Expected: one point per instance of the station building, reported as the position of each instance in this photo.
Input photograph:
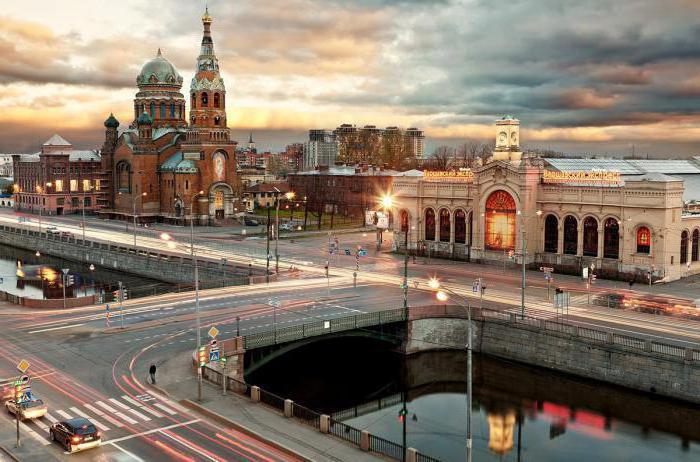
(628, 219)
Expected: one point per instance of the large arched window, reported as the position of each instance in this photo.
(205, 99)
(570, 235)
(444, 225)
(684, 247)
(217, 102)
(153, 110)
(430, 225)
(123, 171)
(404, 221)
(590, 237)
(500, 221)
(162, 110)
(694, 247)
(172, 110)
(470, 224)
(611, 238)
(643, 240)
(551, 234)
(460, 227)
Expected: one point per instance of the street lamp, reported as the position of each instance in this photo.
(386, 202)
(289, 195)
(83, 211)
(524, 220)
(441, 293)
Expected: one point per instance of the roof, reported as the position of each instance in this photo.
(178, 164)
(411, 173)
(348, 171)
(659, 177)
(267, 187)
(628, 167)
(57, 140)
(74, 155)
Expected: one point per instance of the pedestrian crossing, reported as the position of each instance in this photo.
(110, 414)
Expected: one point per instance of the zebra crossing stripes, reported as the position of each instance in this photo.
(64, 414)
(128, 409)
(109, 419)
(97, 423)
(164, 408)
(121, 415)
(34, 434)
(154, 413)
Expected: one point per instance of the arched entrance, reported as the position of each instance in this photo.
(500, 221)
(220, 201)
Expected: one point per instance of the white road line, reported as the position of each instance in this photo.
(109, 419)
(97, 423)
(41, 424)
(130, 454)
(51, 418)
(163, 408)
(64, 414)
(126, 417)
(148, 432)
(33, 434)
(189, 446)
(55, 328)
(119, 403)
(140, 416)
(141, 406)
(106, 406)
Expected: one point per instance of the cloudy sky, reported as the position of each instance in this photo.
(585, 76)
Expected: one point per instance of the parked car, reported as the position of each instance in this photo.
(52, 230)
(250, 222)
(32, 409)
(67, 234)
(75, 434)
(286, 227)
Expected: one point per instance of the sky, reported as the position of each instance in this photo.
(591, 76)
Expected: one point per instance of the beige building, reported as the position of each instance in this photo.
(627, 218)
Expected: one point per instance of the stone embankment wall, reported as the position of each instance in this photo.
(152, 263)
(634, 362)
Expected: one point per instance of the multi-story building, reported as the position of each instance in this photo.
(165, 167)
(293, 156)
(415, 142)
(58, 179)
(320, 150)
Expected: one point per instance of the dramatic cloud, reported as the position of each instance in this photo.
(593, 75)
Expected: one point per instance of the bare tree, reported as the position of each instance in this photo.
(441, 158)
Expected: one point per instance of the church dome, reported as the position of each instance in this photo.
(144, 119)
(111, 122)
(159, 71)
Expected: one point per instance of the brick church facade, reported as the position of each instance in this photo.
(164, 167)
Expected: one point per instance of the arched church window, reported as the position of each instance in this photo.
(590, 237)
(611, 238)
(694, 248)
(570, 235)
(551, 234)
(172, 110)
(162, 110)
(460, 227)
(216, 100)
(193, 103)
(153, 110)
(684, 247)
(643, 240)
(205, 99)
(444, 225)
(217, 120)
(429, 225)
(123, 171)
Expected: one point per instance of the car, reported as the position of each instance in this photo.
(52, 230)
(286, 227)
(75, 434)
(66, 234)
(250, 222)
(32, 409)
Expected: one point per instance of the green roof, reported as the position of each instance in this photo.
(178, 164)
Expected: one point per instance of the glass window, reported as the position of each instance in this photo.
(694, 249)
(153, 110)
(172, 110)
(684, 247)
(216, 100)
(551, 234)
(430, 225)
(97, 185)
(611, 238)
(444, 225)
(460, 227)
(590, 237)
(59, 185)
(570, 235)
(162, 110)
(500, 221)
(205, 100)
(73, 185)
(86, 185)
(643, 240)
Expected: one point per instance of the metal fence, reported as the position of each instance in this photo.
(423, 458)
(385, 447)
(306, 415)
(345, 432)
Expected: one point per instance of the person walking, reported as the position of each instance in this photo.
(152, 372)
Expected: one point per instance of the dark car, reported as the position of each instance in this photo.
(250, 222)
(75, 434)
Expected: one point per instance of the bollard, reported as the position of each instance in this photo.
(255, 394)
(325, 423)
(288, 407)
(364, 440)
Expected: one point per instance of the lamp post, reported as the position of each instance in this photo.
(442, 295)
(143, 194)
(289, 195)
(83, 211)
(524, 254)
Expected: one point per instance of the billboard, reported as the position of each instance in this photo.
(377, 218)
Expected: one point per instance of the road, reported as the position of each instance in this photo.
(82, 366)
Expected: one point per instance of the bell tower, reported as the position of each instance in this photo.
(507, 139)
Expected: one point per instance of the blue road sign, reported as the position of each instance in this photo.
(347, 252)
(362, 253)
(213, 355)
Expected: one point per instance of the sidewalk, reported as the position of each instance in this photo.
(176, 378)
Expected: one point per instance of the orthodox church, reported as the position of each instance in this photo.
(164, 167)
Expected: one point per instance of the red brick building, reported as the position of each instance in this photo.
(58, 179)
(157, 167)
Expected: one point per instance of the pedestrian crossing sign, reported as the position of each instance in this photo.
(213, 355)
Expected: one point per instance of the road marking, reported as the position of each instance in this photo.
(130, 454)
(141, 406)
(154, 430)
(97, 423)
(55, 328)
(51, 418)
(164, 408)
(106, 406)
(41, 424)
(64, 414)
(34, 434)
(119, 403)
(109, 419)
(189, 446)
(116, 413)
(140, 416)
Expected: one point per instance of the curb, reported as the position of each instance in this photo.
(223, 420)
(7, 452)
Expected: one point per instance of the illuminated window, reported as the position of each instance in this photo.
(570, 235)
(59, 185)
(611, 239)
(500, 221)
(430, 225)
(460, 227)
(684, 247)
(444, 225)
(73, 185)
(404, 219)
(97, 185)
(590, 237)
(694, 249)
(86, 185)
(551, 234)
(643, 240)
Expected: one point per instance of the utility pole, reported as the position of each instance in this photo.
(469, 382)
(522, 279)
(405, 273)
(121, 307)
(277, 232)
(65, 273)
(267, 257)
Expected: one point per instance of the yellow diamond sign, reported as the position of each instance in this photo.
(213, 332)
(23, 366)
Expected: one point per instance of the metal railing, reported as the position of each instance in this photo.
(306, 415)
(385, 447)
(423, 458)
(345, 432)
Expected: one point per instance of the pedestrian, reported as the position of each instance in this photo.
(152, 372)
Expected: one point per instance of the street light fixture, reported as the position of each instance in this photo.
(442, 295)
(289, 195)
(524, 220)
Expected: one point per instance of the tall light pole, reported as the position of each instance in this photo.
(524, 254)
(83, 223)
(142, 195)
(442, 296)
(289, 196)
(196, 291)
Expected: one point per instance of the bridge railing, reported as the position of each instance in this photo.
(322, 327)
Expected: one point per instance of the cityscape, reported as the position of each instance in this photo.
(361, 231)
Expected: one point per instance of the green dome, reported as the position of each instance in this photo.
(144, 119)
(159, 71)
(111, 122)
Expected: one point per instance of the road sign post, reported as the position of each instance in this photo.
(121, 307)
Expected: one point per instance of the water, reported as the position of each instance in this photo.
(520, 413)
(27, 275)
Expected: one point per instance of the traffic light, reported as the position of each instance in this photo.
(125, 294)
(402, 414)
(70, 280)
(202, 355)
(18, 393)
(115, 294)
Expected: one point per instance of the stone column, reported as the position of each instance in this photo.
(579, 239)
(601, 239)
(560, 239)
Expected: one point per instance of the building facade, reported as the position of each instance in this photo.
(58, 179)
(166, 166)
(625, 224)
(320, 150)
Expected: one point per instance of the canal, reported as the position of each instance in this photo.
(519, 413)
(27, 274)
